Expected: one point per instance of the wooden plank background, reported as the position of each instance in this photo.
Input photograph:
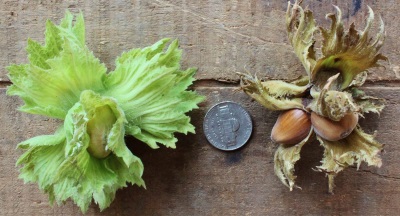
(219, 38)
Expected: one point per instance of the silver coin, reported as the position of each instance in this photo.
(227, 126)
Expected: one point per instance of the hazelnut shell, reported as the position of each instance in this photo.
(291, 127)
(334, 130)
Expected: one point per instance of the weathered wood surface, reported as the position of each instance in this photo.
(220, 38)
(197, 179)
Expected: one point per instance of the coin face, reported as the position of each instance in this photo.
(227, 126)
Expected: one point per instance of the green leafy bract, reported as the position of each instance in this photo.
(162, 92)
(58, 72)
(82, 174)
(87, 158)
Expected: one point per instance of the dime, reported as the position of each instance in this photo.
(227, 126)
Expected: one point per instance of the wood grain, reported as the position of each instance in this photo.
(198, 179)
(219, 38)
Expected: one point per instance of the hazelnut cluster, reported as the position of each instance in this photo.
(328, 101)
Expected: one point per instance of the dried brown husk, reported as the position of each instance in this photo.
(347, 52)
(331, 103)
(367, 103)
(274, 94)
(331, 89)
(337, 104)
(356, 148)
(301, 28)
(285, 159)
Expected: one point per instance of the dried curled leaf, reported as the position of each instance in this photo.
(301, 81)
(333, 104)
(352, 150)
(301, 26)
(359, 80)
(284, 160)
(274, 94)
(367, 103)
(348, 53)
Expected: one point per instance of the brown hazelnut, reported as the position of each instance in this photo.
(291, 127)
(334, 130)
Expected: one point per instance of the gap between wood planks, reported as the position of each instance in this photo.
(222, 83)
(4, 84)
